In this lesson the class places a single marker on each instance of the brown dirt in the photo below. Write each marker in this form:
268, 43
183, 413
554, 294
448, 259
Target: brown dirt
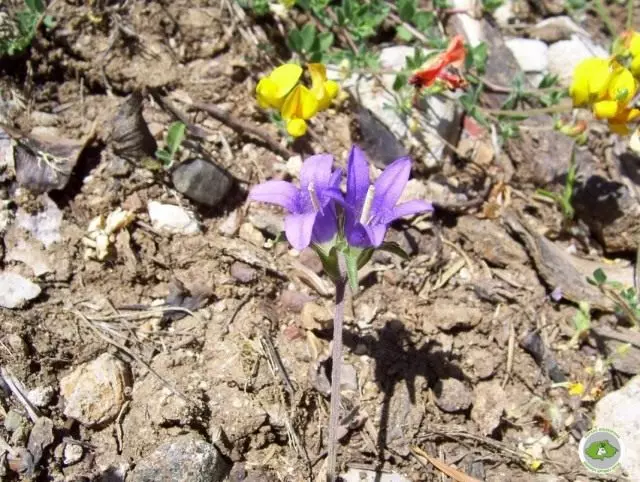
414, 325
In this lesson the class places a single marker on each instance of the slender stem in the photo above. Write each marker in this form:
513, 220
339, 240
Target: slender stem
566, 107
603, 13
336, 357
629, 14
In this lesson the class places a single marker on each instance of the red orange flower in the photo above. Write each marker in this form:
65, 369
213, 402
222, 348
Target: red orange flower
435, 70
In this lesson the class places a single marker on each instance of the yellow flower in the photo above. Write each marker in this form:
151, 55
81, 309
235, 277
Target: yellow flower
622, 86
324, 90
272, 90
590, 81
299, 106
618, 124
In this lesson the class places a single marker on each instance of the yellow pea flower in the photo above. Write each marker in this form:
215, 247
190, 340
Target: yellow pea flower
606, 109
622, 86
324, 90
272, 90
619, 123
590, 81
299, 106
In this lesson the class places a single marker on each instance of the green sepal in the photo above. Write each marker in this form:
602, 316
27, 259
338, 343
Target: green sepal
328, 255
352, 270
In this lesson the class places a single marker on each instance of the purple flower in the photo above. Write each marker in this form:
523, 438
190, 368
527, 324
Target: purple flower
313, 215
371, 208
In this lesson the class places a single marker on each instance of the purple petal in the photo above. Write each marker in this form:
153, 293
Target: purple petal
391, 183
355, 232
326, 226
411, 207
376, 233
316, 169
281, 193
298, 228
358, 180
336, 177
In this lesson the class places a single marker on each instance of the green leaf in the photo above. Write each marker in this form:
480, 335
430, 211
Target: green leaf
424, 20
400, 81
549, 80
365, 256
35, 6
175, 136
164, 156
404, 34
394, 248
406, 9
308, 37
294, 40
599, 276
324, 41
329, 261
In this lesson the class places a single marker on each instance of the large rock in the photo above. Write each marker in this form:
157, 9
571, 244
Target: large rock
202, 181
620, 412
15, 290
565, 55
186, 458
439, 117
95, 392
531, 54
452, 395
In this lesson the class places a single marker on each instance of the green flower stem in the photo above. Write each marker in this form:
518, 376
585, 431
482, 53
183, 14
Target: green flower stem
629, 14
603, 13
336, 357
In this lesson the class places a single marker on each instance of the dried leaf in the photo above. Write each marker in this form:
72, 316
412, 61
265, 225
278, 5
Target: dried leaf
455, 474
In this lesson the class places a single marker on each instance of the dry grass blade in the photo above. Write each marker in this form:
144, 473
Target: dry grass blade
455, 474
18, 391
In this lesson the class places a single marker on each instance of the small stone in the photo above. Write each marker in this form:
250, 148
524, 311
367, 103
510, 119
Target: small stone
483, 364
16, 290
294, 300
14, 420
72, 453
311, 260
243, 272
41, 396
565, 55
249, 233
618, 411
266, 220
364, 475
230, 225
488, 405
31, 254
452, 395
315, 317
202, 181
348, 378
45, 225
95, 392
172, 219
185, 458
531, 54
554, 29
40, 438
448, 315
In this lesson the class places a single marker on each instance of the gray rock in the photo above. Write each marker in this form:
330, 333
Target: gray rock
95, 392
172, 219
15, 290
619, 412
439, 117
555, 29
488, 405
45, 225
452, 395
243, 272
202, 181
531, 54
13, 420
565, 55
41, 396
72, 453
183, 459
40, 438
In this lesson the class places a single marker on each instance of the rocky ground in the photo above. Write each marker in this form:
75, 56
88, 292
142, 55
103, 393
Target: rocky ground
150, 329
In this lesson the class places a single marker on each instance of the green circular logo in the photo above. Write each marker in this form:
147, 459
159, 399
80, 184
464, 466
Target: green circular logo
601, 450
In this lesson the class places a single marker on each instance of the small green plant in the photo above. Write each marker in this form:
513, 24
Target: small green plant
625, 297
173, 142
491, 5
581, 322
564, 200
16, 34
313, 46
259, 8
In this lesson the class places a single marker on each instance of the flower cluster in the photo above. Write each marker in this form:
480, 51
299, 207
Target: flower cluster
608, 85
319, 212
282, 90
436, 71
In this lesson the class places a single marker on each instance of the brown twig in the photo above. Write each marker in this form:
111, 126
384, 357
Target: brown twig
242, 127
